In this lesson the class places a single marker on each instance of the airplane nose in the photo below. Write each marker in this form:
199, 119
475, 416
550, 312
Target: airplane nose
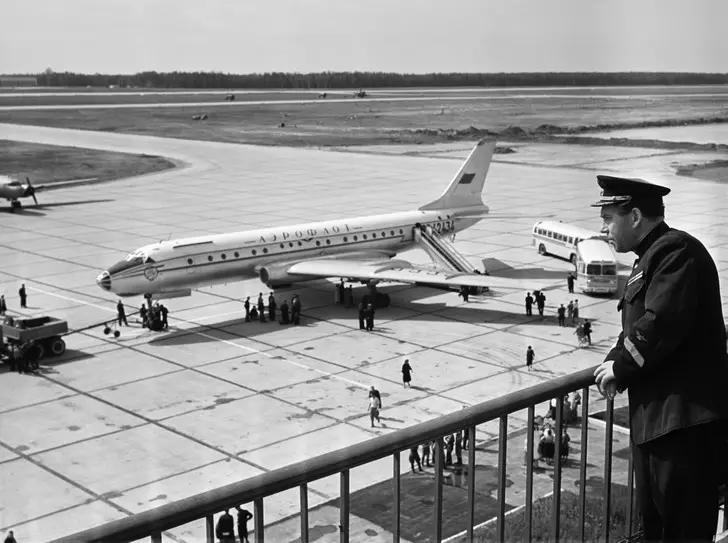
104, 280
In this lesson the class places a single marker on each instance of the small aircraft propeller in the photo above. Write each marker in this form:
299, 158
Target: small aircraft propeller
30, 191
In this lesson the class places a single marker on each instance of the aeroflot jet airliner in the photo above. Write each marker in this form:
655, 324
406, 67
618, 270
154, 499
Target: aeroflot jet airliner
358, 249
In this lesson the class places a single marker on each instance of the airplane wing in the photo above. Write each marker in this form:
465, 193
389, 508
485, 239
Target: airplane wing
401, 271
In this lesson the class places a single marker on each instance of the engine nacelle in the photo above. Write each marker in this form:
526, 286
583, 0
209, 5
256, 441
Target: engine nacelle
276, 275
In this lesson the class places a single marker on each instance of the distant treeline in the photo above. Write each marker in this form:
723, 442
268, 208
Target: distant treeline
348, 80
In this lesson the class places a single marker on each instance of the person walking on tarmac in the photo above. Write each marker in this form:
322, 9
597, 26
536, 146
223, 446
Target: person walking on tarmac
362, 315
271, 307
23, 296
121, 314
406, 374
530, 355
163, 311
529, 305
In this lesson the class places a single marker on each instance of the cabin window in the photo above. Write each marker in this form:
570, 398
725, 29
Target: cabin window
290, 244
265, 250
364, 236
254, 252
318, 243
355, 238
328, 242
346, 239
401, 231
223, 256
190, 261
609, 269
237, 254
299, 243
384, 234
593, 269
282, 246
209, 258
374, 234
391, 232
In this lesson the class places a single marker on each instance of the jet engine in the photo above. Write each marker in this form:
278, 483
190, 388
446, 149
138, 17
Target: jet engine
276, 275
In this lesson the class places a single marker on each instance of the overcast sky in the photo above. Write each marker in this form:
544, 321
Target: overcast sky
242, 36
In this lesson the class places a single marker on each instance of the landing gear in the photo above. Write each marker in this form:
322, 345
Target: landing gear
15, 204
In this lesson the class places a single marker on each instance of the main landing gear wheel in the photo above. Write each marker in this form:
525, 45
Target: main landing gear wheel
542, 249
57, 346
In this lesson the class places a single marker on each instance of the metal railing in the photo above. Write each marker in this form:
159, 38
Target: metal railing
154, 522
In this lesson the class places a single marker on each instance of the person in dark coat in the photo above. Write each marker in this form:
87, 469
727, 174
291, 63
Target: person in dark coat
23, 296
243, 517
540, 302
406, 374
284, 313
121, 314
296, 307
163, 312
261, 307
10, 538
570, 282
341, 289
561, 311
271, 307
225, 528
369, 315
587, 330
3, 305
143, 315
529, 357
362, 315
671, 358
529, 305
247, 309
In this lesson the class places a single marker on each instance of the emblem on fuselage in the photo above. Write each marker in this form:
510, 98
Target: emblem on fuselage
151, 273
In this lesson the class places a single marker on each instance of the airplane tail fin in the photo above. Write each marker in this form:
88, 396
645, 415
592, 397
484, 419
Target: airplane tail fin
466, 188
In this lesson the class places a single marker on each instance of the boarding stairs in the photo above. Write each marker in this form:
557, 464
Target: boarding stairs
441, 251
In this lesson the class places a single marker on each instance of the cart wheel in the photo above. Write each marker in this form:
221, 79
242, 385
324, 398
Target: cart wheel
57, 346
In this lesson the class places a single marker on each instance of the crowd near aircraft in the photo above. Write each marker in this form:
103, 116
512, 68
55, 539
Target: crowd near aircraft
359, 249
14, 190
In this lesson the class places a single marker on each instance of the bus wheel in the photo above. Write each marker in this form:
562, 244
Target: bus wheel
542, 249
573, 259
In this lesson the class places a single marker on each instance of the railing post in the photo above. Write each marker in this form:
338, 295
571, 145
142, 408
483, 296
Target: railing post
210, 528
471, 482
439, 461
502, 460
259, 520
529, 473
304, 512
344, 509
396, 470
582, 466
556, 498
156, 537
608, 467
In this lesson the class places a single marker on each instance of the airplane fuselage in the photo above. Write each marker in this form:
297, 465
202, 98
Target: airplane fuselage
174, 267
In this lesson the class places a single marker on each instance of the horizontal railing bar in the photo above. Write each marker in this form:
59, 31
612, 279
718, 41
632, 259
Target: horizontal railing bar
187, 510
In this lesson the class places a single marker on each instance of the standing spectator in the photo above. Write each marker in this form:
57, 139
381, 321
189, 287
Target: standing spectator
243, 517
247, 309
272, 307
671, 357
374, 405
369, 314
10, 538
529, 305
414, 457
362, 315
406, 374
426, 453
3, 305
23, 296
261, 307
225, 529
575, 318
562, 315
570, 282
164, 312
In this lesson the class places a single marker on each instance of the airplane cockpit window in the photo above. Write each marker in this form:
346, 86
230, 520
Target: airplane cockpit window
14, 184
132, 260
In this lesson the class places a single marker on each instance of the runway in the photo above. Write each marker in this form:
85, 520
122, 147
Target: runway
116, 427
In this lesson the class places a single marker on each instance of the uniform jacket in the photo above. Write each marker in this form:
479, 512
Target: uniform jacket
671, 354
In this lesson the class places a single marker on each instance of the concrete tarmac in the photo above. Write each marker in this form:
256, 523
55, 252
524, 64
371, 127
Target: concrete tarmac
120, 426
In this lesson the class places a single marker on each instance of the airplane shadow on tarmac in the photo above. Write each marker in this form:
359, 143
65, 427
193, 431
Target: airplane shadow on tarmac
33, 211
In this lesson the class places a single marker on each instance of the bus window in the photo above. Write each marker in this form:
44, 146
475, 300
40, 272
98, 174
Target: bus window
593, 269
571, 240
609, 269
551, 235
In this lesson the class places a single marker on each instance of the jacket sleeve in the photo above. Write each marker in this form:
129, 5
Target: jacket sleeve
671, 301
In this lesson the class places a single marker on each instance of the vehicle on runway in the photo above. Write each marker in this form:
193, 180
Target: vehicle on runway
358, 250
13, 191
596, 266
559, 238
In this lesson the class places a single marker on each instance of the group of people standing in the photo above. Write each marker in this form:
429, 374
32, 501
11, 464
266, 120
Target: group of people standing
289, 314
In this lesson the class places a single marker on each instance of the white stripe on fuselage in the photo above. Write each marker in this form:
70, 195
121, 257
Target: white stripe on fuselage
207, 260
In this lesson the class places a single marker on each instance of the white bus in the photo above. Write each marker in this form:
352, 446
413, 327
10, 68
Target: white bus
596, 266
559, 239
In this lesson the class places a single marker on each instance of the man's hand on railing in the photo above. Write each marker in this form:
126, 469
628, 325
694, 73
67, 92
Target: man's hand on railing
606, 382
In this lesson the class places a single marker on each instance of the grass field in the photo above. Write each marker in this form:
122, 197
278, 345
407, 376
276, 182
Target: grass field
361, 122
48, 164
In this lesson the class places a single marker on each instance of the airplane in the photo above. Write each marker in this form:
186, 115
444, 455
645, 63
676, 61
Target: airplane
14, 190
358, 249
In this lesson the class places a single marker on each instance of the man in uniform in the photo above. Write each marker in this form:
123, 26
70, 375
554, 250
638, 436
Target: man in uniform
23, 296
671, 357
121, 314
